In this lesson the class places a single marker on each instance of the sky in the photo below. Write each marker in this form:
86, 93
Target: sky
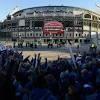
7, 6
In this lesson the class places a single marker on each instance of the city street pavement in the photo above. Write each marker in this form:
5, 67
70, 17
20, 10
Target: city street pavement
82, 48
51, 53
64, 49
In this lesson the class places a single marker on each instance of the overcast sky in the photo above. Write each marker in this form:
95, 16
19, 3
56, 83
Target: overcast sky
7, 6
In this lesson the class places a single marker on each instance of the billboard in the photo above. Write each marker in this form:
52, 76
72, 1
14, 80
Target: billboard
22, 22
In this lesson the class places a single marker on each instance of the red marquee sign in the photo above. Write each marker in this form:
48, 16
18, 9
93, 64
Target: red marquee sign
53, 27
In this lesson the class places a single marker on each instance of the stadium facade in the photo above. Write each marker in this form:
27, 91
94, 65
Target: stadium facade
35, 24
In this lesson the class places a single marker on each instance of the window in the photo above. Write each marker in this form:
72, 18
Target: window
94, 18
85, 41
94, 24
44, 40
80, 28
79, 34
80, 23
84, 23
19, 14
30, 34
76, 34
27, 23
87, 16
76, 40
22, 34
38, 23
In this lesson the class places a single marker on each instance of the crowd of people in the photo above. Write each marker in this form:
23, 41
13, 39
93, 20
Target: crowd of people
30, 79
36, 45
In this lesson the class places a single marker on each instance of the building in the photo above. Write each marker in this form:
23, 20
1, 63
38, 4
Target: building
79, 25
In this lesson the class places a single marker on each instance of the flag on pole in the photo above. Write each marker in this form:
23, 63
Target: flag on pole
71, 54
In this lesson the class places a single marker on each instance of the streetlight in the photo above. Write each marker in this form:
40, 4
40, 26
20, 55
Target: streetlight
51, 37
19, 36
19, 39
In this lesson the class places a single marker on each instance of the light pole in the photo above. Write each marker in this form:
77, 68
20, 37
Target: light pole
40, 42
51, 37
19, 36
19, 39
